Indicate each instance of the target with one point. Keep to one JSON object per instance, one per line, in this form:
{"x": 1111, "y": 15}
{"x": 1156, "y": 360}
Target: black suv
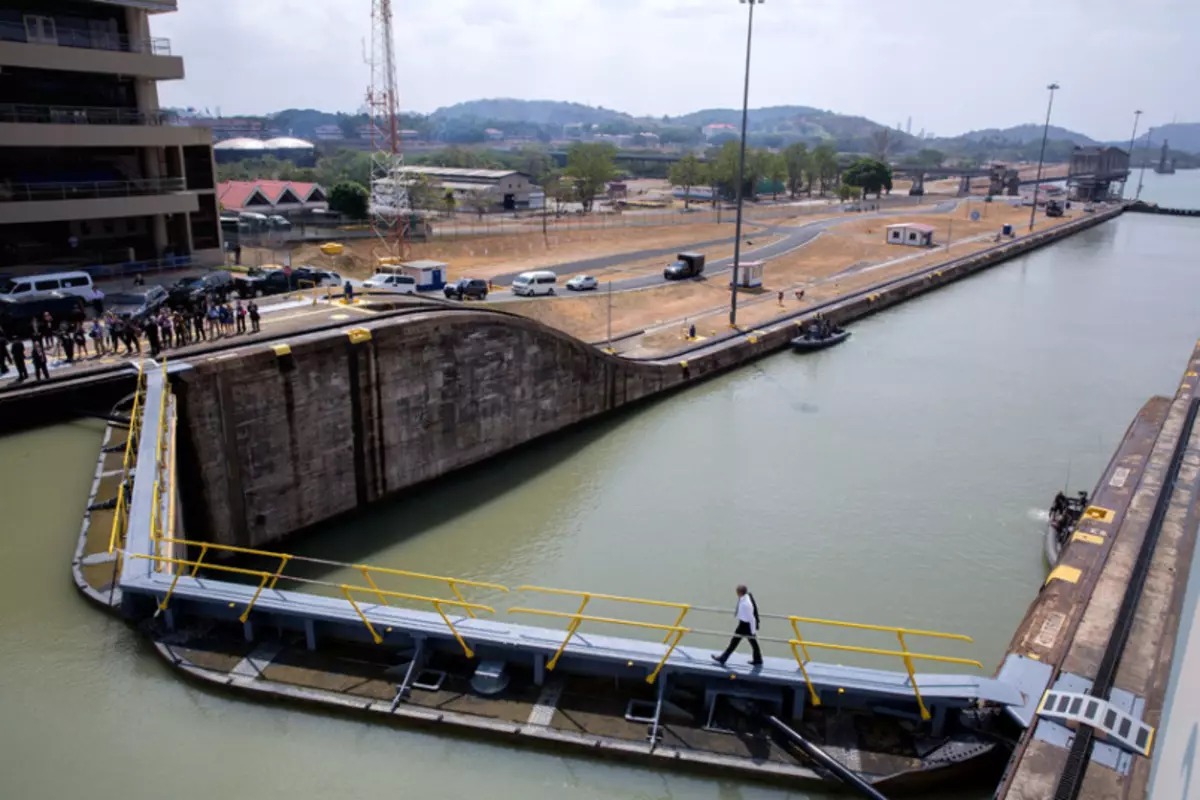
{"x": 467, "y": 289}
{"x": 16, "y": 316}
{"x": 188, "y": 291}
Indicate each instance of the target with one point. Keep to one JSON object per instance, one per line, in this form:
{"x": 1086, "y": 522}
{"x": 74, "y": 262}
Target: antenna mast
{"x": 389, "y": 205}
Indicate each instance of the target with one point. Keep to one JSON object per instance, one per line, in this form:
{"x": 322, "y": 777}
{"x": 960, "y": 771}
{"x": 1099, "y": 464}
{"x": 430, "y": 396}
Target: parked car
{"x": 16, "y": 316}
{"x": 307, "y": 277}
{"x": 405, "y": 284}
{"x": 467, "y": 289}
{"x": 191, "y": 290}
{"x": 48, "y": 284}
{"x": 279, "y": 223}
{"x": 137, "y": 304}
{"x": 582, "y": 283}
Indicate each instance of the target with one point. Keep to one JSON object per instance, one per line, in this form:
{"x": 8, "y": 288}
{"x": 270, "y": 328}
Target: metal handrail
{"x": 267, "y": 581}
{"x": 85, "y": 190}
{"x": 799, "y": 645}
{"x": 128, "y": 460}
{"x": 90, "y": 40}
{"x": 81, "y": 115}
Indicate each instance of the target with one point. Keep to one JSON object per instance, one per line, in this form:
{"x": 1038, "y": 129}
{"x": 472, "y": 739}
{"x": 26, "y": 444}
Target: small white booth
{"x": 913, "y": 234}
{"x": 750, "y": 274}
{"x": 430, "y": 275}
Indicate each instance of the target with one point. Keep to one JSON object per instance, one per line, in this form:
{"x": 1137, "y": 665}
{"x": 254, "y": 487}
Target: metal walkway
{"x": 175, "y": 578}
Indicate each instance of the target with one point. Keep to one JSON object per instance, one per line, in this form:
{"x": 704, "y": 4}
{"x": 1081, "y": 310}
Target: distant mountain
{"x": 1184, "y": 136}
{"x": 537, "y": 112}
{"x": 1024, "y": 134}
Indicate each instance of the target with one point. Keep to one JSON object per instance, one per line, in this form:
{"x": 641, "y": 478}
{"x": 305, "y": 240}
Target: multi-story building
{"x": 91, "y": 170}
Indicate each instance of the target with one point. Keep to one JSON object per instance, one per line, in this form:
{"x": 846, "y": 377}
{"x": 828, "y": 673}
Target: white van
{"x": 27, "y": 286}
{"x": 531, "y": 284}
{"x": 405, "y": 284}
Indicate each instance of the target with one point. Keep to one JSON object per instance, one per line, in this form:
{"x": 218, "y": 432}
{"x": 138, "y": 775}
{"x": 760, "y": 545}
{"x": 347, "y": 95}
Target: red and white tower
{"x": 389, "y": 197}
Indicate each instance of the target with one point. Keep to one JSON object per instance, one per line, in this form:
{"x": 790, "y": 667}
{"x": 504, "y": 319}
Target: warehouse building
{"x": 507, "y": 189}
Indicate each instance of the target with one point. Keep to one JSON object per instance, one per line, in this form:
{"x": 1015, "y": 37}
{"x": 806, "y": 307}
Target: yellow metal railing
{"x": 120, "y": 524}
{"x": 674, "y": 632}
{"x": 800, "y": 646}
{"x": 269, "y": 578}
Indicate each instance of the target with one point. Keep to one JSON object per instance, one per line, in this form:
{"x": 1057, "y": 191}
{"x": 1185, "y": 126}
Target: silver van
{"x": 27, "y": 286}
{"x": 531, "y": 284}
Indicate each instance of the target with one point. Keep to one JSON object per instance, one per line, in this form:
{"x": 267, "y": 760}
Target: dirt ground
{"x": 488, "y": 256}
{"x": 841, "y": 260}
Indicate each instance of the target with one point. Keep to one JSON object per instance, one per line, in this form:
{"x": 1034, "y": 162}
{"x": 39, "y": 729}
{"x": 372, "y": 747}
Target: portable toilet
{"x": 430, "y": 275}
{"x": 750, "y": 274}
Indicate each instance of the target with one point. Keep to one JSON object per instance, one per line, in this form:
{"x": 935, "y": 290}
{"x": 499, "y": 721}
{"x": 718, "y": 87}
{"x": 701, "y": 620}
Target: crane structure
{"x": 389, "y": 202}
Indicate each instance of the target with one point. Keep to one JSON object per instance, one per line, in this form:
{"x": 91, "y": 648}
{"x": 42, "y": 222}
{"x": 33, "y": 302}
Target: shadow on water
{"x": 437, "y": 502}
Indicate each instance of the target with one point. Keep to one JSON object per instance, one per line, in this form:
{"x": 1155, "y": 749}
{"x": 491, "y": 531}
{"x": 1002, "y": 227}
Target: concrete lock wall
{"x": 274, "y": 443}
{"x": 277, "y": 443}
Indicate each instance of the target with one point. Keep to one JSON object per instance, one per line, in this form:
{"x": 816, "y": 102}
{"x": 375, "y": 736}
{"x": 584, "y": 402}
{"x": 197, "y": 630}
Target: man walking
{"x": 254, "y": 317}
{"x": 747, "y": 625}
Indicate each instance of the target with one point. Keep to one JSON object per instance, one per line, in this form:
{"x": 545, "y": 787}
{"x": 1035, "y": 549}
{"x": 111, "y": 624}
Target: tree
{"x": 349, "y": 199}
{"x": 687, "y": 172}
{"x": 560, "y": 189}
{"x": 776, "y": 172}
{"x": 349, "y": 125}
{"x": 869, "y": 175}
{"x": 591, "y": 167}
{"x": 825, "y": 167}
{"x": 796, "y": 163}
{"x": 422, "y": 193}
{"x": 847, "y": 192}
{"x": 480, "y": 201}
{"x": 450, "y": 201}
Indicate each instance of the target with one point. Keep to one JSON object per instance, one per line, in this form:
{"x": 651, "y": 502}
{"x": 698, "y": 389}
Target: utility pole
{"x": 609, "y": 339}
{"x": 1041, "y": 156}
{"x": 741, "y": 177}
{"x": 1132, "y": 139}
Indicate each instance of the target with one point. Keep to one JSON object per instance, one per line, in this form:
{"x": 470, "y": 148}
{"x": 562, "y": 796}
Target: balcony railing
{"x": 91, "y": 40}
{"x": 88, "y": 190}
{"x": 81, "y": 115}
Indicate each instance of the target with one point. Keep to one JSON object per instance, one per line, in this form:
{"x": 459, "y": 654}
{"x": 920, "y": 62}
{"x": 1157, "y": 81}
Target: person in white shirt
{"x": 747, "y": 626}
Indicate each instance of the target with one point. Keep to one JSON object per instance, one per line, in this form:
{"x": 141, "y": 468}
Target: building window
{"x": 40, "y": 30}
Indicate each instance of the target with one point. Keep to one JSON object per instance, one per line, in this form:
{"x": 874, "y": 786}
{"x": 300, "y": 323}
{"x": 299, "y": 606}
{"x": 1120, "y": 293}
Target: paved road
{"x": 792, "y": 238}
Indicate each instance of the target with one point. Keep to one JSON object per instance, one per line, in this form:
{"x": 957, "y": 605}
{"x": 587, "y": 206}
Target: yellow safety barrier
{"x": 799, "y": 645}
{"x": 128, "y": 459}
{"x": 269, "y": 579}
{"x": 674, "y": 632}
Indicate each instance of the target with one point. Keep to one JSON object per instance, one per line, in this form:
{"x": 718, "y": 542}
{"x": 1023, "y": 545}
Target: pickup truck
{"x": 686, "y": 265}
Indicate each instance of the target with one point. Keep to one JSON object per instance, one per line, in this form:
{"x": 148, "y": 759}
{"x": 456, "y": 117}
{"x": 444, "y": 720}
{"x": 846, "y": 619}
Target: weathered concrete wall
{"x": 279, "y": 443}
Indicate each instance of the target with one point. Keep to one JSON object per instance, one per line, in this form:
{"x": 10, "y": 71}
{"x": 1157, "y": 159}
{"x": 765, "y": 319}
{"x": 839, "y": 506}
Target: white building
{"x": 913, "y": 234}
{"x": 505, "y": 188}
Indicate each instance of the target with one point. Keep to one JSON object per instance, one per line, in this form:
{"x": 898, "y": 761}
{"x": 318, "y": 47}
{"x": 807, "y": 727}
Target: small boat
{"x": 817, "y": 335}
{"x": 1064, "y": 516}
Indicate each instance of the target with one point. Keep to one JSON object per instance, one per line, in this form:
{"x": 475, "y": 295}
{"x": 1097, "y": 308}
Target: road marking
{"x": 1098, "y": 514}
{"x": 1090, "y": 538}
{"x": 1048, "y": 633}
{"x": 1120, "y": 475}
{"x": 1064, "y": 573}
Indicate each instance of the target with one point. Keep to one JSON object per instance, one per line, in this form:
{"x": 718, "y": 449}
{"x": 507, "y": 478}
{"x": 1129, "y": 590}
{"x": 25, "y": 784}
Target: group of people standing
{"x": 75, "y": 339}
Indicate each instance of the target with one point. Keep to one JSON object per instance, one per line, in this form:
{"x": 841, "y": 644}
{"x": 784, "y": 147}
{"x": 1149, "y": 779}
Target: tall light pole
{"x": 741, "y": 176}
{"x": 1132, "y": 139}
{"x": 1145, "y": 158}
{"x": 1041, "y": 156}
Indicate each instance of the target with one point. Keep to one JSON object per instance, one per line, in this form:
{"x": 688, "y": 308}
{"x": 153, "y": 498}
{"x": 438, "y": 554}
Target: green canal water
{"x": 898, "y": 479}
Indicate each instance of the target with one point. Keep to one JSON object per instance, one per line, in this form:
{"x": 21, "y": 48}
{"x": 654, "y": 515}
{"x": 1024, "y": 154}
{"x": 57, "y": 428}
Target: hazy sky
{"x": 950, "y": 65}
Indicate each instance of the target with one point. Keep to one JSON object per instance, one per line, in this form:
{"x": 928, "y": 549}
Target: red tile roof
{"x": 234, "y": 194}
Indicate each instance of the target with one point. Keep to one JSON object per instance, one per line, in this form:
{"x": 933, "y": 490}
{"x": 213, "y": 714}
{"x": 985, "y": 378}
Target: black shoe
{"x": 719, "y": 660}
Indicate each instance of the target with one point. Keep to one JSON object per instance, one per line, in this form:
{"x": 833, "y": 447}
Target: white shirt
{"x": 745, "y": 612}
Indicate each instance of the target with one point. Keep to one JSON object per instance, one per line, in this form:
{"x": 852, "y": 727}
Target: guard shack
{"x": 913, "y": 234}
{"x": 430, "y": 275}
{"x": 750, "y": 274}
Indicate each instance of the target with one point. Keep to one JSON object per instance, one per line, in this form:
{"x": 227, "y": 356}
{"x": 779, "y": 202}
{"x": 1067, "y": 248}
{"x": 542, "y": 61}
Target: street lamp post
{"x": 1145, "y": 158}
{"x": 1132, "y": 139}
{"x": 1041, "y": 156}
{"x": 741, "y": 176}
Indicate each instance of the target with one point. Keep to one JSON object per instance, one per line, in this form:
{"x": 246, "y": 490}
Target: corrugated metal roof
{"x": 456, "y": 172}
{"x": 914, "y": 226}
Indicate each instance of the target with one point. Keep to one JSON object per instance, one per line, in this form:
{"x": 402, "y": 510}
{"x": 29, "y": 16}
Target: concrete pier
{"x": 1066, "y": 636}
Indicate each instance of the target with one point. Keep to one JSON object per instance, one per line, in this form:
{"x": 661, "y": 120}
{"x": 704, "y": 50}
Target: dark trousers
{"x": 743, "y": 629}
{"x": 22, "y": 373}
{"x": 39, "y": 370}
